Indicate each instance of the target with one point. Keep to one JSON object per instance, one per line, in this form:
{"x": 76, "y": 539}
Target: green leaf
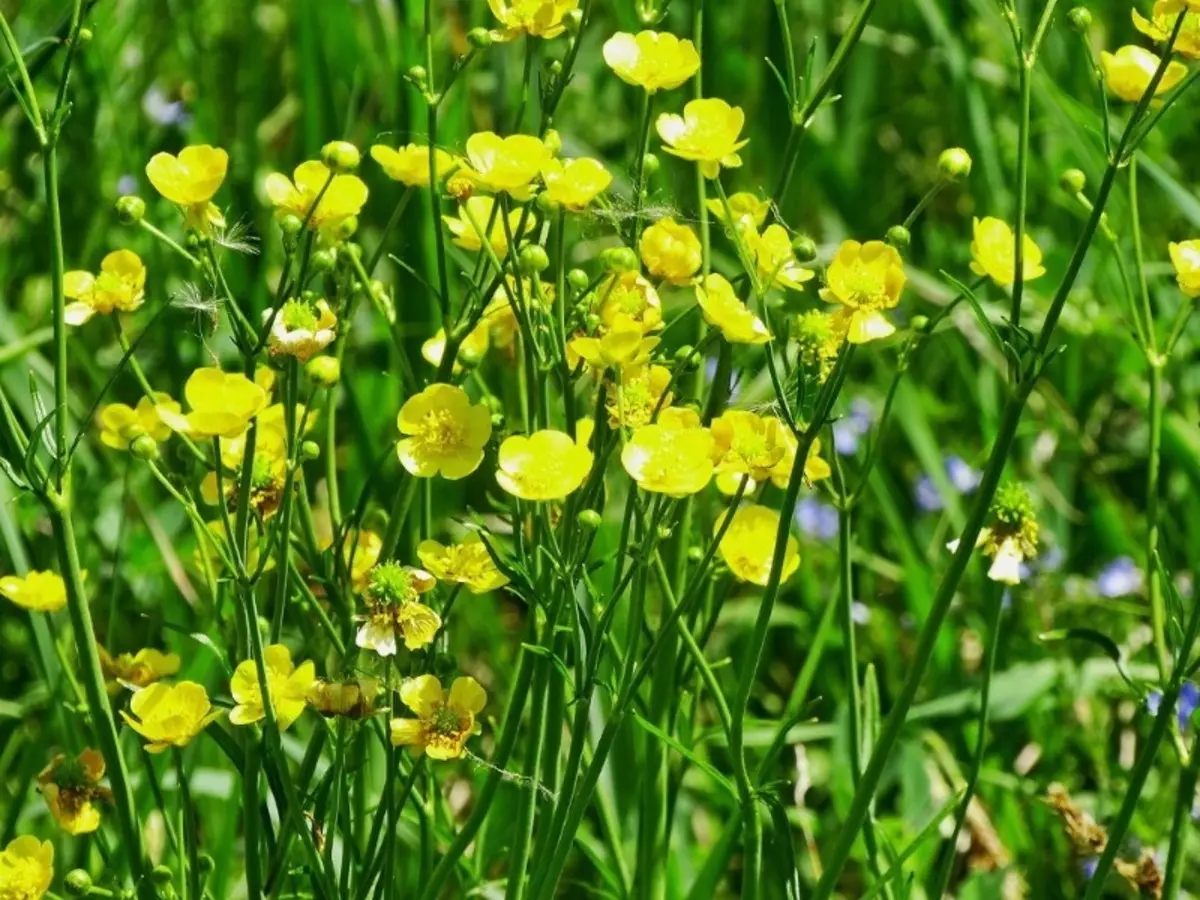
{"x": 687, "y": 754}
{"x": 1097, "y": 639}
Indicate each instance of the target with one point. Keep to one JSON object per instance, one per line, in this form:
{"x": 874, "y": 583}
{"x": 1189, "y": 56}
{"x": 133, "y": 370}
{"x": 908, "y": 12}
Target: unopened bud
{"x": 479, "y": 38}
{"x": 323, "y": 260}
{"x": 1073, "y": 181}
{"x": 417, "y": 75}
{"x": 578, "y": 279}
{"x": 899, "y": 237}
{"x": 131, "y": 209}
{"x": 78, "y": 883}
{"x": 1080, "y": 18}
{"x": 553, "y": 141}
{"x": 347, "y": 227}
{"x": 533, "y": 259}
{"x": 85, "y": 35}
{"x": 161, "y": 875}
{"x": 619, "y": 259}
{"x": 573, "y": 21}
{"x": 955, "y": 163}
{"x": 340, "y": 156}
{"x": 310, "y": 450}
{"x": 143, "y": 447}
{"x": 804, "y": 247}
{"x": 589, "y": 518}
{"x": 919, "y": 323}
{"x": 650, "y": 165}
{"x": 290, "y": 224}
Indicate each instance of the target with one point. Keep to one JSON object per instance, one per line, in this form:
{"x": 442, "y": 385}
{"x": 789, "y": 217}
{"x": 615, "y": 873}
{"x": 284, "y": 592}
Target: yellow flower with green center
{"x": 190, "y": 180}
{"x": 1128, "y": 72}
{"x": 481, "y": 208}
{"x": 505, "y": 165}
{"x": 37, "y": 591}
{"x": 634, "y": 400}
{"x": 444, "y": 433}
{"x": 745, "y": 443}
{"x": 547, "y": 465}
{"x": 72, "y": 791}
{"x": 170, "y": 715}
{"x": 722, "y": 309}
{"x": 1185, "y": 259}
{"x": 1162, "y": 22}
{"x": 627, "y": 295}
{"x": 774, "y": 259}
{"x": 121, "y": 425}
{"x": 621, "y": 346}
{"x": 26, "y": 868}
{"x": 221, "y": 404}
{"x": 744, "y": 205}
{"x": 671, "y": 251}
{"x": 340, "y": 198}
{"x": 864, "y": 279}
{"x": 287, "y": 684}
{"x": 444, "y": 720}
{"x": 677, "y": 462}
{"x": 537, "y": 18}
{"x": 707, "y": 133}
{"x": 301, "y": 329}
{"x": 136, "y": 670}
{"x": 468, "y": 563}
{"x": 120, "y": 285}
{"x": 651, "y": 60}
{"x": 992, "y": 253}
{"x": 748, "y": 545}
{"x": 574, "y": 184}
{"x": 394, "y": 610}
{"x": 410, "y": 164}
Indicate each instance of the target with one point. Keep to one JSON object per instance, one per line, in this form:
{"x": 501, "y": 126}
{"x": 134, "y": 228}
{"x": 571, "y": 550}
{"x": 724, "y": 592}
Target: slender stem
{"x": 639, "y": 167}
{"x": 190, "y": 839}
{"x": 1025, "y": 83}
{"x": 1185, "y": 799}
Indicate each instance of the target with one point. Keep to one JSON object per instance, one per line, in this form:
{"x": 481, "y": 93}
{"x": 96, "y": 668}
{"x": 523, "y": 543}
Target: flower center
{"x": 444, "y": 720}
{"x": 298, "y": 315}
{"x": 390, "y": 585}
{"x": 440, "y": 432}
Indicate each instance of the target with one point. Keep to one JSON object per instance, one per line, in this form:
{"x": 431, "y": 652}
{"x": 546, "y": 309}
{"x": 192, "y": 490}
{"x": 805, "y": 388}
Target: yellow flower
{"x": 268, "y": 474}
{"x": 1185, "y": 257}
{"x": 815, "y": 468}
{"x": 744, "y": 205}
{"x": 190, "y": 180}
{"x": 466, "y": 563}
{"x": 394, "y": 610}
{"x": 547, "y": 465}
{"x": 444, "y": 721}
{"x": 343, "y": 198}
{"x": 349, "y": 699}
{"x": 300, "y": 329}
{"x": 864, "y": 279}
{"x": 222, "y": 404}
{"x": 651, "y": 60}
{"x": 627, "y": 295}
{"x": 71, "y": 788}
{"x": 37, "y": 591}
{"x": 121, "y": 425}
{"x": 362, "y": 557}
{"x": 539, "y": 18}
{"x": 992, "y": 253}
{"x": 1128, "y": 72}
{"x": 773, "y": 257}
{"x": 505, "y": 165}
{"x": 469, "y": 238}
{"x": 748, "y": 444}
{"x": 1162, "y": 22}
{"x": 287, "y": 683}
{"x": 707, "y": 133}
{"x": 749, "y": 545}
{"x": 672, "y": 461}
{"x": 671, "y": 251}
{"x": 498, "y": 315}
{"x": 576, "y": 183}
{"x": 722, "y": 309}
{"x": 640, "y": 392}
{"x": 621, "y": 346}
{"x": 473, "y": 348}
{"x": 410, "y": 163}
{"x": 136, "y": 670}
{"x": 26, "y": 869}
{"x": 121, "y": 285}
{"x": 170, "y": 715}
{"x": 446, "y": 432}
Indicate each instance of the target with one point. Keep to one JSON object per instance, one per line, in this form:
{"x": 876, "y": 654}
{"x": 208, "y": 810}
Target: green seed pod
{"x": 650, "y": 165}
{"x": 955, "y": 163}
{"x": 85, "y": 35}
{"x": 78, "y": 883}
{"x": 324, "y": 370}
{"x": 899, "y": 237}
{"x": 323, "y": 260}
{"x": 1073, "y": 181}
{"x": 619, "y": 259}
{"x": 804, "y": 247}
{"x": 310, "y": 450}
{"x": 1080, "y": 19}
{"x": 131, "y": 209}
{"x": 589, "y": 518}
{"x": 533, "y": 259}
{"x": 340, "y": 156}
{"x": 578, "y": 280}
{"x": 480, "y": 38}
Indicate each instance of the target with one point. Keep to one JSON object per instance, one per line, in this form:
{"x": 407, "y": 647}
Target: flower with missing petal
{"x": 190, "y": 180}
{"x": 505, "y": 165}
{"x": 26, "y": 868}
{"x": 394, "y": 610}
{"x": 1128, "y": 72}
{"x": 170, "y": 715}
{"x": 748, "y": 545}
{"x": 547, "y": 465}
{"x": 136, "y": 670}
{"x": 480, "y": 209}
{"x": 706, "y": 133}
{"x": 1012, "y": 536}
{"x": 341, "y": 196}
{"x": 37, "y": 591}
{"x": 444, "y": 433}
{"x": 1162, "y": 22}
{"x": 410, "y": 164}
{"x": 468, "y": 563}
{"x": 1185, "y": 259}
{"x": 121, "y": 425}
{"x": 992, "y": 253}
{"x": 671, "y": 251}
{"x": 222, "y": 404}
{"x": 536, "y": 18}
{"x": 662, "y": 459}
{"x": 774, "y": 259}
{"x": 72, "y": 790}
{"x": 120, "y": 285}
{"x": 300, "y": 329}
{"x": 652, "y": 60}
{"x": 444, "y": 720}
{"x": 722, "y": 309}
{"x": 574, "y": 184}
{"x": 864, "y": 279}
{"x": 287, "y": 684}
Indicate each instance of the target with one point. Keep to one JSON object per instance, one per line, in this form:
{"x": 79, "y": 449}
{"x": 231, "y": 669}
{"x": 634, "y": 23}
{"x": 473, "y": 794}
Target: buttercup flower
{"x": 632, "y": 402}
{"x": 268, "y": 473}
{"x": 394, "y": 610}
{"x": 539, "y": 18}
{"x": 121, "y": 286}
{"x": 773, "y": 257}
{"x": 190, "y": 180}
{"x": 864, "y": 279}
{"x": 300, "y": 329}
{"x": 574, "y": 184}
{"x": 748, "y": 444}
{"x": 410, "y": 164}
{"x": 671, "y": 251}
{"x": 547, "y": 465}
{"x": 744, "y": 205}
{"x": 444, "y": 433}
{"x": 121, "y": 425}
{"x": 343, "y": 198}
{"x": 466, "y": 563}
{"x": 1162, "y": 22}
{"x": 37, "y": 591}
{"x": 136, "y": 670}
{"x": 170, "y": 715}
{"x": 444, "y": 721}
{"x": 627, "y": 295}
{"x": 677, "y": 462}
{"x": 707, "y": 133}
{"x": 349, "y": 699}
{"x": 1128, "y": 72}
{"x": 992, "y": 253}
{"x": 505, "y": 165}
{"x": 470, "y": 238}
{"x": 1185, "y": 258}
{"x": 222, "y": 404}
{"x": 473, "y": 348}
{"x": 621, "y": 346}
{"x": 749, "y": 545}
{"x": 26, "y": 868}
{"x": 72, "y": 790}
{"x": 722, "y": 309}
{"x": 287, "y": 683}
{"x": 651, "y": 60}
{"x": 815, "y": 468}
{"x": 1012, "y": 536}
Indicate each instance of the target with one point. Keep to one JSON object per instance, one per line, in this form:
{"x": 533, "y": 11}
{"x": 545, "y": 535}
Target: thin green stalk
{"x": 639, "y": 167}
{"x": 1025, "y": 85}
{"x": 190, "y": 838}
{"x": 1185, "y": 798}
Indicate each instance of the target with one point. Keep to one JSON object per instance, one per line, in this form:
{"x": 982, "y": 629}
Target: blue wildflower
{"x": 1119, "y": 578}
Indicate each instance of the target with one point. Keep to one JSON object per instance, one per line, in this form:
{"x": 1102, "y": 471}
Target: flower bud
{"x": 417, "y": 75}
{"x": 324, "y": 370}
{"x": 619, "y": 259}
{"x": 1080, "y": 19}
{"x": 650, "y": 165}
{"x": 290, "y": 224}
{"x": 310, "y": 450}
{"x": 804, "y": 247}
{"x": 573, "y": 21}
{"x": 533, "y": 259}
{"x": 592, "y": 322}
{"x": 131, "y": 209}
{"x": 340, "y": 156}
{"x": 143, "y": 447}
{"x": 78, "y": 883}
{"x": 919, "y": 323}
{"x": 544, "y": 203}
{"x": 346, "y": 228}
{"x": 85, "y": 35}
{"x": 554, "y": 68}
{"x": 1073, "y": 181}
{"x": 161, "y": 875}
{"x": 687, "y": 357}
{"x": 323, "y": 260}
{"x": 664, "y": 532}
{"x": 589, "y": 518}
{"x": 497, "y": 421}
{"x": 578, "y": 279}
{"x": 479, "y": 38}
{"x": 205, "y": 864}
{"x": 955, "y": 163}
{"x": 899, "y": 237}
{"x": 695, "y": 554}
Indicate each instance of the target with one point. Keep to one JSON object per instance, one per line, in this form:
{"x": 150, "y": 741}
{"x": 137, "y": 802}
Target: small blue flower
{"x": 1119, "y": 578}
{"x": 1052, "y": 559}
{"x": 1189, "y": 699}
{"x": 1088, "y": 867}
{"x": 962, "y": 476}
{"x": 817, "y": 519}
{"x": 162, "y": 111}
{"x": 926, "y": 495}
{"x": 848, "y": 430}
{"x": 1153, "y": 702}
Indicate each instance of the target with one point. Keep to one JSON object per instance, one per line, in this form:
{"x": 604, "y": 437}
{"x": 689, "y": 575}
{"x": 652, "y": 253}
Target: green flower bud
{"x": 143, "y": 447}
{"x": 1080, "y": 19}
{"x": 497, "y": 421}
{"x": 349, "y": 251}
{"x": 589, "y": 518}
{"x": 804, "y": 247}
{"x": 323, "y": 260}
{"x": 417, "y": 75}
{"x": 205, "y": 864}
{"x": 324, "y": 370}
{"x": 310, "y": 450}
{"x": 347, "y": 227}
{"x": 664, "y": 532}
{"x": 554, "y": 68}
{"x": 131, "y": 209}
{"x": 619, "y": 259}
{"x": 85, "y": 35}
{"x": 695, "y": 554}
{"x": 573, "y": 21}
{"x": 955, "y": 163}
{"x": 290, "y": 224}
{"x": 544, "y": 203}
{"x": 533, "y": 259}
{"x": 1073, "y": 181}
{"x": 553, "y": 141}
{"x": 899, "y": 237}
{"x": 78, "y": 883}
{"x": 479, "y": 38}
{"x": 340, "y": 156}
{"x": 650, "y": 165}
{"x": 161, "y": 875}
{"x": 919, "y": 323}
{"x": 578, "y": 280}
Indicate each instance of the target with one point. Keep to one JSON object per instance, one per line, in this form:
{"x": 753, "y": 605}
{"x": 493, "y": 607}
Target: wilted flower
{"x": 349, "y": 699}
{"x": 669, "y": 460}
{"x": 506, "y": 165}
{"x": 72, "y": 790}
{"x": 748, "y": 545}
{"x": 395, "y": 611}
{"x": 864, "y": 279}
{"x": 574, "y": 184}
{"x": 410, "y": 164}
{"x": 26, "y": 868}
{"x": 1185, "y": 258}
{"x": 538, "y": 18}
{"x": 671, "y": 251}
{"x": 467, "y": 236}
{"x": 37, "y": 591}
{"x": 170, "y": 715}
{"x": 190, "y": 180}
{"x": 707, "y": 133}
{"x": 136, "y": 670}
{"x": 444, "y": 721}
{"x": 120, "y": 286}
{"x": 287, "y": 684}
{"x": 341, "y": 196}
{"x": 651, "y": 60}
{"x": 444, "y": 433}
{"x": 222, "y": 404}
{"x": 300, "y": 329}
{"x": 722, "y": 309}
{"x": 468, "y": 563}
{"x": 1011, "y": 538}
{"x": 992, "y": 253}
{"x": 1128, "y": 72}
{"x": 547, "y": 465}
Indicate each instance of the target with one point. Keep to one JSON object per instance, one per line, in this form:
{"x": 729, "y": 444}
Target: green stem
{"x": 190, "y": 839}
{"x": 1185, "y": 798}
